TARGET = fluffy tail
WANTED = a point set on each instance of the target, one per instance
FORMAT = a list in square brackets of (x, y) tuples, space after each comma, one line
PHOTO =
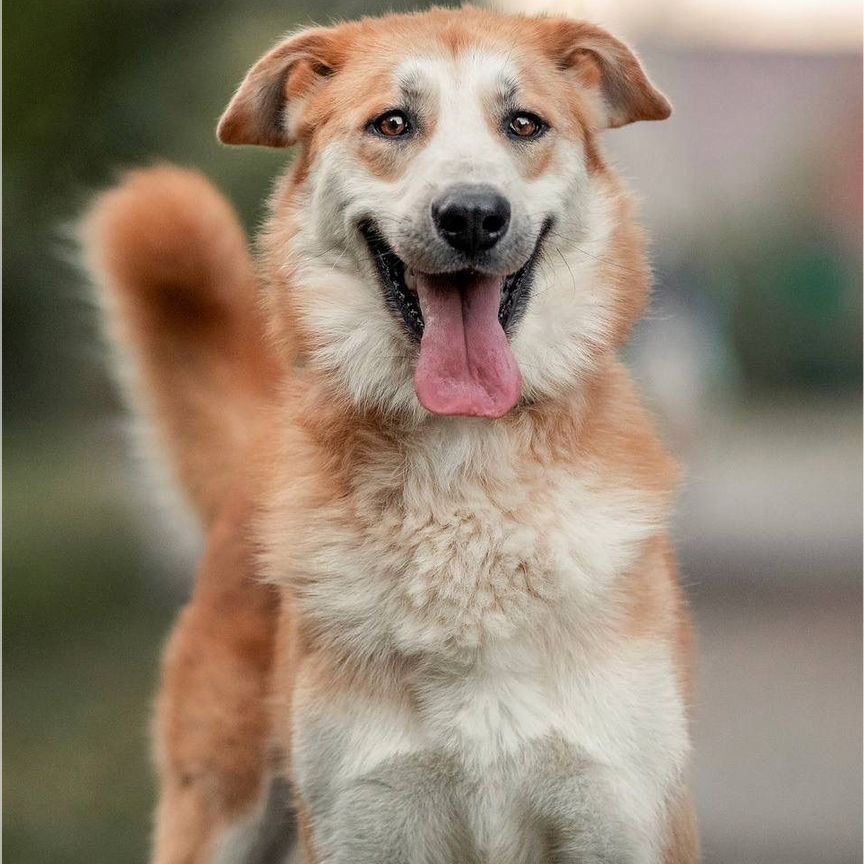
[(178, 283)]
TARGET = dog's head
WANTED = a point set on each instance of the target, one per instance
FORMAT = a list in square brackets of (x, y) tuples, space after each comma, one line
[(449, 231)]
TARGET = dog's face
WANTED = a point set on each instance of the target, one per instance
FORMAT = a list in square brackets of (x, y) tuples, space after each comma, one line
[(450, 230)]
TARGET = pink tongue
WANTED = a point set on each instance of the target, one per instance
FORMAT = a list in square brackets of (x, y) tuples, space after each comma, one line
[(466, 367)]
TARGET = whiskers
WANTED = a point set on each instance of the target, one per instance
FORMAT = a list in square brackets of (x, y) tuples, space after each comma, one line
[(574, 245), (569, 268)]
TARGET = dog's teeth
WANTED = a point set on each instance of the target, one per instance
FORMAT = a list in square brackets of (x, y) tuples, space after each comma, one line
[(410, 280)]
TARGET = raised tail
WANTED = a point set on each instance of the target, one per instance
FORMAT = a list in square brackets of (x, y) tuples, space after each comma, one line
[(179, 290)]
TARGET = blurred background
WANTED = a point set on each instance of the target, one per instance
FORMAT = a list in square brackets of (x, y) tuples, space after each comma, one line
[(751, 358)]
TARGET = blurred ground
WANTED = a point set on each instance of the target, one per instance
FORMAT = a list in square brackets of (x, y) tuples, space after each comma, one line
[(774, 575), (777, 735), (83, 627)]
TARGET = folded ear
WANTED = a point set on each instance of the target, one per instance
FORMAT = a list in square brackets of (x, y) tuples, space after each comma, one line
[(609, 70), (267, 105)]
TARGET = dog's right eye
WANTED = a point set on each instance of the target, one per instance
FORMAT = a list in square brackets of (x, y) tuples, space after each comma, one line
[(393, 124)]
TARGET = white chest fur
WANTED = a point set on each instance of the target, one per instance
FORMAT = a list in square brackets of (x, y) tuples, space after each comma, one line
[(460, 543)]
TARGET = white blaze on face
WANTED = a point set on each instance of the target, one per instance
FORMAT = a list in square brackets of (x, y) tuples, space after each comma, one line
[(468, 146), (464, 147)]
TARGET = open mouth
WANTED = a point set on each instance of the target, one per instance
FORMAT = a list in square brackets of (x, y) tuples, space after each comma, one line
[(462, 321), (403, 300)]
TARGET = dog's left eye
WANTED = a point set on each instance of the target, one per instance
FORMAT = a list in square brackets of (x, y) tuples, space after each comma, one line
[(393, 124), (525, 125)]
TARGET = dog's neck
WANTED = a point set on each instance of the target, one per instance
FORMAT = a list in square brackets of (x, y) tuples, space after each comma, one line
[(600, 420)]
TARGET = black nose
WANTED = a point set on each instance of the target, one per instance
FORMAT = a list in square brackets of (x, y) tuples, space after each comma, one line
[(471, 218)]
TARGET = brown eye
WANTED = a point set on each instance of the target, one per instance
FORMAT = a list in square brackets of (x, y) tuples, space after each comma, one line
[(392, 125), (526, 125)]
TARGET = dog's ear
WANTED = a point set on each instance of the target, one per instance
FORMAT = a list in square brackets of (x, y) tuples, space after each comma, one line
[(608, 70), (266, 107)]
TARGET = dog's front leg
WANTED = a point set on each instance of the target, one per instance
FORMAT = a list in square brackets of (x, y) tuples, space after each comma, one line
[(412, 810), (408, 810), (212, 724), (370, 789)]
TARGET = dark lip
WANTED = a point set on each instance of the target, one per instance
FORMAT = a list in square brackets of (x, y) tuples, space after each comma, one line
[(406, 307)]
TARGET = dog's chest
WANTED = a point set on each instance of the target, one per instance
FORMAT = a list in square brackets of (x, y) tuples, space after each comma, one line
[(432, 566)]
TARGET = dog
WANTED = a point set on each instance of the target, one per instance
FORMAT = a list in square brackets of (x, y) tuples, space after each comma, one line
[(438, 619)]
